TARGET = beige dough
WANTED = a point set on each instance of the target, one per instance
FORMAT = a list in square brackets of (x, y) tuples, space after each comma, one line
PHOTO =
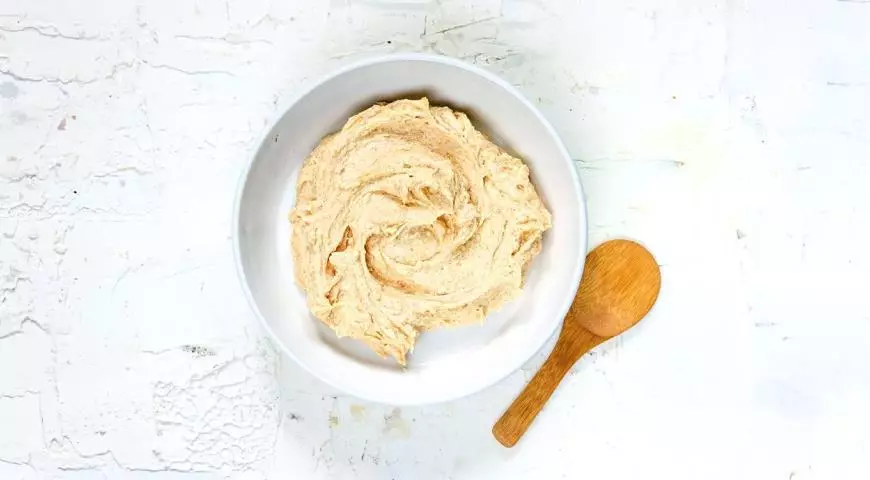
[(409, 219)]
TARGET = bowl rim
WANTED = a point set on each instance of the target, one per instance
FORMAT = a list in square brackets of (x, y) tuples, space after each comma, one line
[(521, 357)]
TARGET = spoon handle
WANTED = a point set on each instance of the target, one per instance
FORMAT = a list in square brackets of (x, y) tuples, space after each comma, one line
[(516, 420)]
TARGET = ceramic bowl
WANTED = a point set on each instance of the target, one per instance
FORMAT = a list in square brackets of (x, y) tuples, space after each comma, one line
[(445, 364)]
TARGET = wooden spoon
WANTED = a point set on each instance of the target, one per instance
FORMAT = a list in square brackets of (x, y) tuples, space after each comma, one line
[(620, 284)]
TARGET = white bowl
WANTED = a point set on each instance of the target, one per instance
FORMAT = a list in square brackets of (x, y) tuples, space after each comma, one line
[(445, 364)]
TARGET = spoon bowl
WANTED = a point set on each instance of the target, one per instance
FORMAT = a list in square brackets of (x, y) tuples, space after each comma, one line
[(619, 287)]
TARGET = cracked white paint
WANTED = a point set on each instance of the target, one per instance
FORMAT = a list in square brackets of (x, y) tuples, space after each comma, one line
[(731, 137)]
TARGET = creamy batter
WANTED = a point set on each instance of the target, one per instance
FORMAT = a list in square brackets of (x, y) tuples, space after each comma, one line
[(409, 219)]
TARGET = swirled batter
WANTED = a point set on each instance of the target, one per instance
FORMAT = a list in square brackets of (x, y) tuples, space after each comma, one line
[(409, 219)]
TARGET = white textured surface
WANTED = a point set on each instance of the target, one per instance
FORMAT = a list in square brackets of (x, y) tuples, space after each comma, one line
[(732, 137)]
